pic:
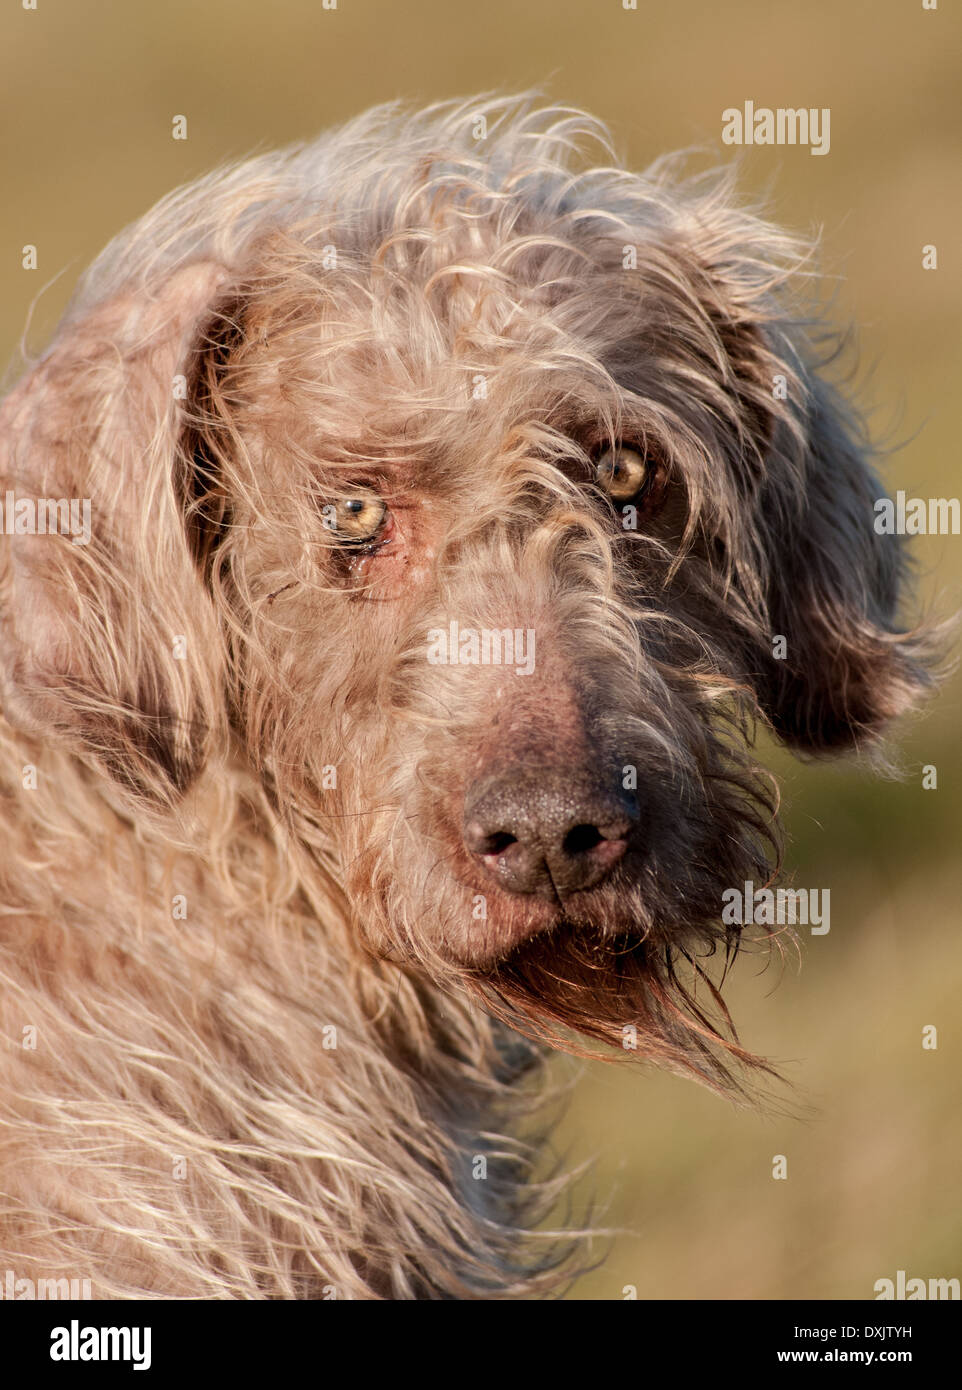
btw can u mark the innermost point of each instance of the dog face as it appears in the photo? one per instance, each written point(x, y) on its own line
point(464, 499)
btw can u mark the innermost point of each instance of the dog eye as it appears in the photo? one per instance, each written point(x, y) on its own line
point(356, 520)
point(622, 472)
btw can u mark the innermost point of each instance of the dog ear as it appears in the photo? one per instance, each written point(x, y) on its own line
point(110, 644)
point(839, 667)
point(824, 651)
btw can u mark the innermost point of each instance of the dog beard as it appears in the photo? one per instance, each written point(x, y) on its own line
point(641, 995)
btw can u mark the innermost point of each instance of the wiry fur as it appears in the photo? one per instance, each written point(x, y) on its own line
point(203, 780)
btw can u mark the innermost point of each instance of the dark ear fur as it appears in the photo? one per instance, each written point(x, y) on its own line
point(800, 546)
point(815, 570)
point(834, 587)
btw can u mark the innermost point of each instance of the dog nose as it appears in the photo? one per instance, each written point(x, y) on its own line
point(549, 833)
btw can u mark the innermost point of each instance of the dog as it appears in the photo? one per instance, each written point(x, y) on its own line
point(405, 536)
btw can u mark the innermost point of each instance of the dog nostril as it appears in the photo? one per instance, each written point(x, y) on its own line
point(498, 843)
point(487, 842)
point(581, 839)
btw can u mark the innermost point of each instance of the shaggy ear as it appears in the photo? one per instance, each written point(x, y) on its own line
point(809, 565)
point(110, 644)
point(844, 668)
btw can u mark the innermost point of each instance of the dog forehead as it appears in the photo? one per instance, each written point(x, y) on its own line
point(375, 389)
point(432, 343)
point(444, 266)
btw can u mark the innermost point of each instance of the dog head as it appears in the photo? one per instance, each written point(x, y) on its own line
point(480, 504)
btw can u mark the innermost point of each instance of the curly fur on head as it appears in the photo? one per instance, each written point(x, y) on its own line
point(266, 823)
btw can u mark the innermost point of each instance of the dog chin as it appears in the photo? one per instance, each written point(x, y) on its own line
point(549, 929)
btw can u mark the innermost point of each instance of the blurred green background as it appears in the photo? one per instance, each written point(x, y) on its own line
point(88, 90)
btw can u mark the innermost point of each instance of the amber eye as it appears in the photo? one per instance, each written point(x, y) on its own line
point(356, 520)
point(622, 472)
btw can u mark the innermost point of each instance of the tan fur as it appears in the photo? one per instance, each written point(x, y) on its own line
point(183, 1126)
